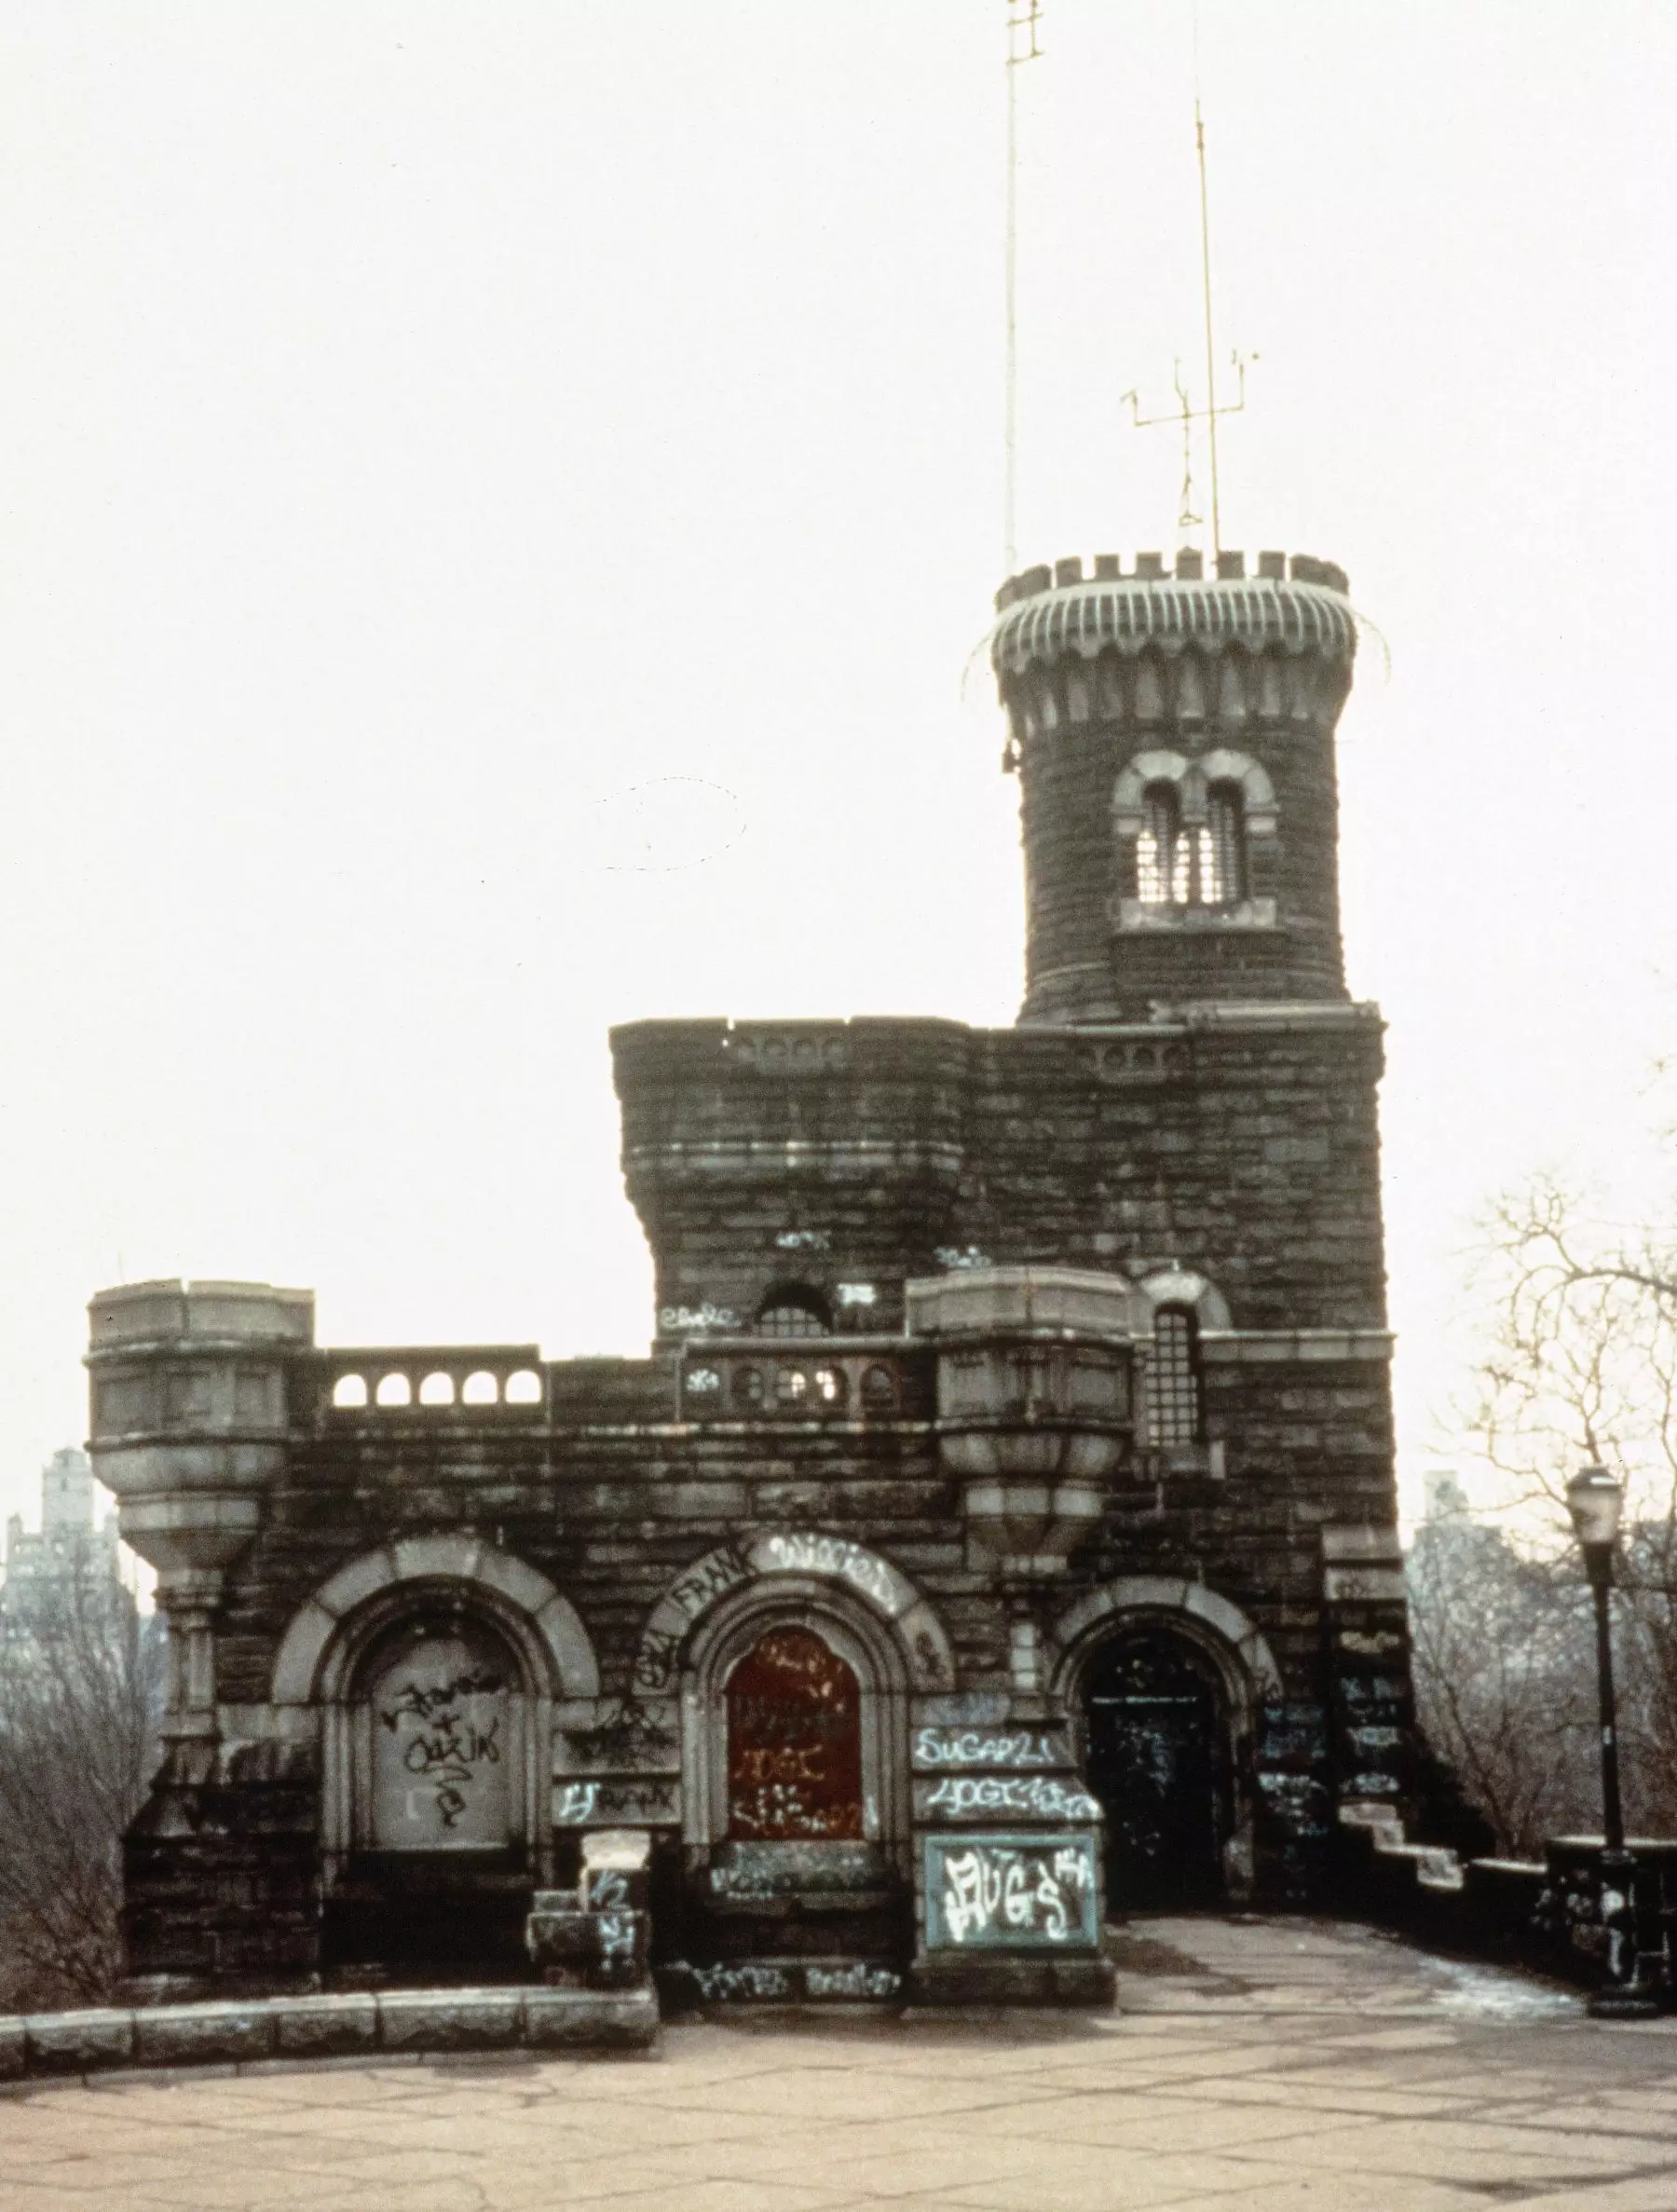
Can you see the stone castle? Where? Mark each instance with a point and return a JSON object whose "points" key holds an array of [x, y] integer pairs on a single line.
{"points": [[1001, 1531]]}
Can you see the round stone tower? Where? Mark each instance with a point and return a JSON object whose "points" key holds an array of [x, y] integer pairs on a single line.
{"points": [[1174, 741]]}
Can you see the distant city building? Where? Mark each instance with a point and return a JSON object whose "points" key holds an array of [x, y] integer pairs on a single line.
{"points": [[73, 1550], [1443, 1496]]}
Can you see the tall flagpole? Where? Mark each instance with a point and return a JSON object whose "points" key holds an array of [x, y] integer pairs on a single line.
{"points": [[1010, 434]]}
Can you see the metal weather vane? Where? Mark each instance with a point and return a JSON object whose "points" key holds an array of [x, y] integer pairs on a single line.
{"points": [[1210, 413]]}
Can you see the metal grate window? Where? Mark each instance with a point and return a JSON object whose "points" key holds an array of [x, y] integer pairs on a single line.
{"points": [[1163, 854], [1176, 1378], [1222, 849]]}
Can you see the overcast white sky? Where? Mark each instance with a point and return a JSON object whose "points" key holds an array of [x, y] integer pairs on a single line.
{"points": [[421, 425]]}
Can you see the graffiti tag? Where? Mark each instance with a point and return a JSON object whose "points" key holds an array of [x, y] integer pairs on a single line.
{"points": [[1010, 1894], [972, 1796]]}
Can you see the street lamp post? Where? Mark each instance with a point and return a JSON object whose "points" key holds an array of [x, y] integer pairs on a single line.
{"points": [[1595, 1502]]}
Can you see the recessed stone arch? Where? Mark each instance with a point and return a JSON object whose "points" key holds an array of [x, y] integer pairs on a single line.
{"points": [[1223, 1636], [858, 1634], [545, 1624], [1240, 1646], [352, 1617]]}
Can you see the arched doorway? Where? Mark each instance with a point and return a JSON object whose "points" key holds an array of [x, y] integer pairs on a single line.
{"points": [[439, 1875], [794, 1741], [1158, 1759]]}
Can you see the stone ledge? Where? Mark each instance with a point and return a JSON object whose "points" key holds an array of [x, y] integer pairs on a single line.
{"points": [[1250, 1348], [395, 2024]]}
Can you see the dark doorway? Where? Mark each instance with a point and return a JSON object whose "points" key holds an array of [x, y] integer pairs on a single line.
{"points": [[1158, 1761]]}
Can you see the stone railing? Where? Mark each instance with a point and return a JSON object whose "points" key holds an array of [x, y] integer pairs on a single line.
{"points": [[426, 1379], [828, 1378], [1556, 1914]]}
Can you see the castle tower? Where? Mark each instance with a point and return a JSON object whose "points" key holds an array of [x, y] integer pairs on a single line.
{"points": [[1174, 741]]}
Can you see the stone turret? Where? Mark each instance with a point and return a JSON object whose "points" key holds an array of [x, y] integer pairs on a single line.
{"points": [[1174, 741], [190, 1418]]}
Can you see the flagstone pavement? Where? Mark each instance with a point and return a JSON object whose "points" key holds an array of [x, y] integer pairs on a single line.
{"points": [[1270, 2064]]}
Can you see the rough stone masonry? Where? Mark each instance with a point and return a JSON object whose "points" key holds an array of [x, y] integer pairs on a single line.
{"points": [[1001, 1529]]}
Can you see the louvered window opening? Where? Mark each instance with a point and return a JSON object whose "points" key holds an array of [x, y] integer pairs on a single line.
{"points": [[1176, 1381]]}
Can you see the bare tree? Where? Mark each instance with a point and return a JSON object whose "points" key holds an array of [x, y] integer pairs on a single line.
{"points": [[80, 1694], [1501, 1646], [1581, 1365]]}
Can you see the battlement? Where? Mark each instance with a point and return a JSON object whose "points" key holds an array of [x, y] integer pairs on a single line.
{"points": [[1273, 567], [1046, 615]]}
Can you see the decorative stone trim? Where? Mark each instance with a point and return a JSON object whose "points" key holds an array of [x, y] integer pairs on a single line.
{"points": [[1182, 1286], [1046, 622], [317, 1659], [1251, 913], [1193, 780], [1250, 1348], [1271, 1014], [563, 1640], [927, 1654], [1364, 1586]]}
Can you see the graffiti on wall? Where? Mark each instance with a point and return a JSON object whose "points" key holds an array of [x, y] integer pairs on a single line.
{"points": [[1024, 1796], [1010, 1892], [642, 1803], [936, 1748], [442, 1749], [794, 1741]]}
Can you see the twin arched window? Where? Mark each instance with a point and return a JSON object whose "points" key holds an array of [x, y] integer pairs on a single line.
{"points": [[1197, 865]]}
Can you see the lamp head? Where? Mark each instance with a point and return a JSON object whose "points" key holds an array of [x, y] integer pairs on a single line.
{"points": [[1595, 1502]]}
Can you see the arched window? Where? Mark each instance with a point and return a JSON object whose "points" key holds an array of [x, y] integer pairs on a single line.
{"points": [[1222, 854], [793, 1310], [1174, 1393], [1163, 854]]}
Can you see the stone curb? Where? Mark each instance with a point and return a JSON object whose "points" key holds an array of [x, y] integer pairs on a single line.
{"points": [[397, 2023]]}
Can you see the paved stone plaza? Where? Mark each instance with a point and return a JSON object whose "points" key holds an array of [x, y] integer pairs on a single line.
{"points": [[1263, 2063]]}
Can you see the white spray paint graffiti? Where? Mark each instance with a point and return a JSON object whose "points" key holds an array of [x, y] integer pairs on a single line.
{"points": [[1037, 1797], [1010, 1894]]}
